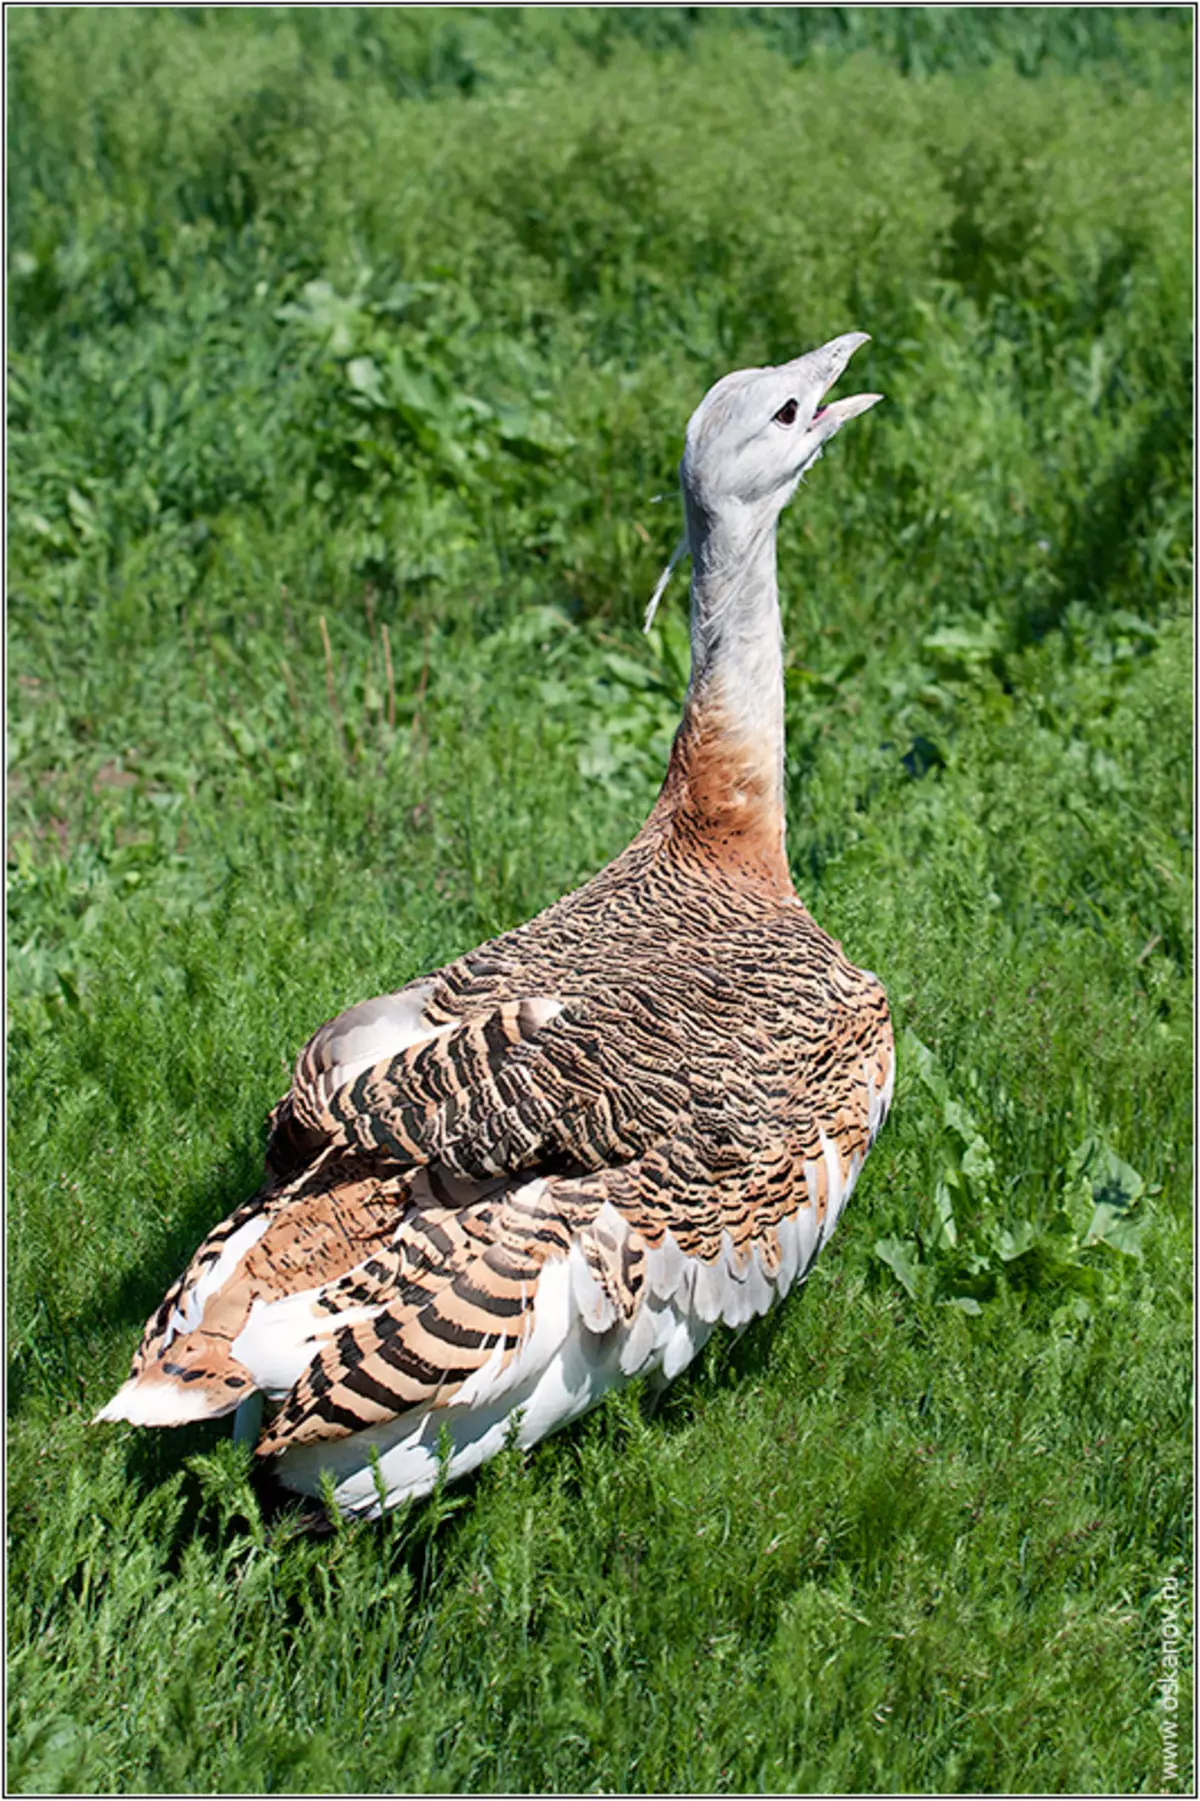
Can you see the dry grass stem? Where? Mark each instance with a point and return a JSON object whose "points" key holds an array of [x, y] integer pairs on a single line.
{"points": [[391, 677], [331, 689]]}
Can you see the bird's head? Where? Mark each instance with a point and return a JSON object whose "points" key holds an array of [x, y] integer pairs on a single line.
{"points": [[757, 431]]}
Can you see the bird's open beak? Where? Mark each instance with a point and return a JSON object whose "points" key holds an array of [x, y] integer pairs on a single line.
{"points": [[832, 359], [835, 415]]}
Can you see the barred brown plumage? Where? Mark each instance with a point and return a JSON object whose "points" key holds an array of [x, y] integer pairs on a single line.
{"points": [[559, 1161]]}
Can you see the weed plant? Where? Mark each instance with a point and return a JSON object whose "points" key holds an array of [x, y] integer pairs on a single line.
{"points": [[350, 350]]}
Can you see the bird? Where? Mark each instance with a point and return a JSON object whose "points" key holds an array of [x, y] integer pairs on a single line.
{"points": [[558, 1162]]}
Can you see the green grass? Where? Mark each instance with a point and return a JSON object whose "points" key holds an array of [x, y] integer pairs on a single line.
{"points": [[326, 322]]}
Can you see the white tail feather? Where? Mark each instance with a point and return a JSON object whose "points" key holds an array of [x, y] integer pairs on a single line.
{"points": [[150, 1403]]}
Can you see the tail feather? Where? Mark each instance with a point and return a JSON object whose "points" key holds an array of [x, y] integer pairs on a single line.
{"points": [[191, 1363], [158, 1399]]}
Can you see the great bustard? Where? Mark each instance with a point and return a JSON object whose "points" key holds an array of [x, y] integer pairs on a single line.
{"points": [[558, 1162]]}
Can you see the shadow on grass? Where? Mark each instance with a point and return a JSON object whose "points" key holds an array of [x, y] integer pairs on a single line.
{"points": [[129, 1298]]}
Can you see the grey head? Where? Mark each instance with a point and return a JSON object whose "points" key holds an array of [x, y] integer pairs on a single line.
{"points": [[749, 442], [756, 431]]}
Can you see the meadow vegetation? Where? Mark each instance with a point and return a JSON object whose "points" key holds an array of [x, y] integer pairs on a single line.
{"points": [[349, 354]]}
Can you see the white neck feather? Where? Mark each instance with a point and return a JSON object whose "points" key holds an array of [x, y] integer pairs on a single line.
{"points": [[737, 638]]}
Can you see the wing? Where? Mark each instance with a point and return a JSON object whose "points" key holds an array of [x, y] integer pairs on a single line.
{"points": [[561, 1283], [358, 1038], [511, 1209], [397, 1152]]}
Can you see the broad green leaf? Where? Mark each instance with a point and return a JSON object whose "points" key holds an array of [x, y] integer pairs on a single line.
{"points": [[1013, 1242], [902, 1258], [959, 1119], [1113, 1227], [626, 671], [325, 314], [364, 377], [1114, 1188], [978, 1164], [918, 1056], [944, 1208], [964, 645]]}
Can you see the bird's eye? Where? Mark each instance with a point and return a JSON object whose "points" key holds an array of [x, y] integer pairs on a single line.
{"points": [[787, 413]]}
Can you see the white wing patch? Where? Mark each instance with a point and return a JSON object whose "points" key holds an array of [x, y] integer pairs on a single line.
{"points": [[280, 1338], [364, 1035]]}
